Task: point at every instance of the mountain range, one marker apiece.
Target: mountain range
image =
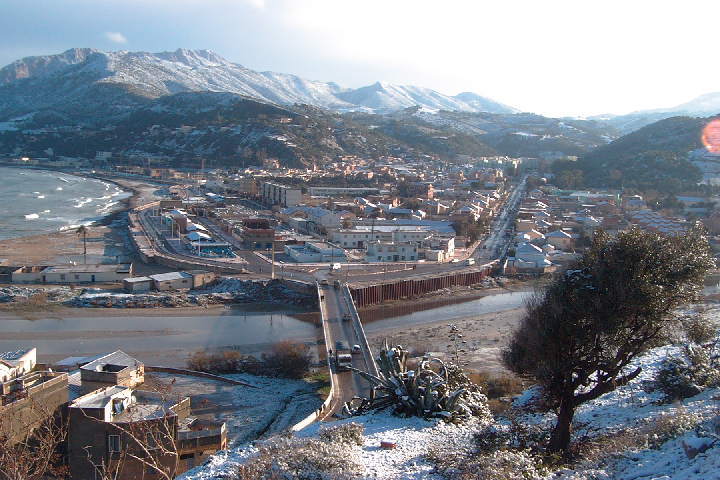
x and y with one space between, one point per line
86 81
703 106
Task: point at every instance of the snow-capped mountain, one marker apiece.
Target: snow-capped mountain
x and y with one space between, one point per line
702 106
57 82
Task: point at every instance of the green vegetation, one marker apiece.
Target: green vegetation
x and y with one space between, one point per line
653 158
580 332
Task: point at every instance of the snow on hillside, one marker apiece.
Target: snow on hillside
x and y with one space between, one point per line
165 73
613 415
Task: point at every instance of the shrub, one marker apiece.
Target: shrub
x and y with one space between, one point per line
493 465
287 359
699 329
349 433
687 375
225 361
301 459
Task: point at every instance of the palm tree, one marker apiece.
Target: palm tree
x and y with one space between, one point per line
83 230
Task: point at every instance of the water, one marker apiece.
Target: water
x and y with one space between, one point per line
166 340
380 319
39 201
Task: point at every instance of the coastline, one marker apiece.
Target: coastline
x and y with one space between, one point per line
106 238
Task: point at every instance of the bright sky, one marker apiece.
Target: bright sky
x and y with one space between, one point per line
554 57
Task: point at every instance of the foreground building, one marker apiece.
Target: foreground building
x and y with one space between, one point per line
130 434
27 397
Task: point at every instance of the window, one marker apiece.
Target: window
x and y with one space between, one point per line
62 277
113 443
151 441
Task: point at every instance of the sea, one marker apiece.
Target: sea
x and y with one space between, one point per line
40 201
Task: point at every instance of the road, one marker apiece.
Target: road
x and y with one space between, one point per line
335 301
335 307
497 243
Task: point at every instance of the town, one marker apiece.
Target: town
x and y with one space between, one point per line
396 229
359 240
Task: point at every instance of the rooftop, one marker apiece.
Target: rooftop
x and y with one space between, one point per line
164 277
94 268
14 355
117 358
137 279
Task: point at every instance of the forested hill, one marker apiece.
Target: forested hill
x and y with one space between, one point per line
652 158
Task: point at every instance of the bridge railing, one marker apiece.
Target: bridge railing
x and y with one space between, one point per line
370 363
327 404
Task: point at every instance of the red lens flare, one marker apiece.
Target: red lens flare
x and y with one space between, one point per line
711 136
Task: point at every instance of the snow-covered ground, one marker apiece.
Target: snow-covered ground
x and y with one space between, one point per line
628 409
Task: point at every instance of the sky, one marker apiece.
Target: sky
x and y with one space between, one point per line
553 57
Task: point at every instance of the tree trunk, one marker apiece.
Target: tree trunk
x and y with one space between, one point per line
560 440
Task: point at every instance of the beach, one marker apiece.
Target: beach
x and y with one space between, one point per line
107 237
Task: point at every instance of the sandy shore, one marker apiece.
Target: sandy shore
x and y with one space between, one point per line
107 238
486 335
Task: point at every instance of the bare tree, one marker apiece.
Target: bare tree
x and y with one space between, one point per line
146 443
580 333
30 450
146 450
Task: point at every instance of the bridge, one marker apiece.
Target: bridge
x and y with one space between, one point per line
338 301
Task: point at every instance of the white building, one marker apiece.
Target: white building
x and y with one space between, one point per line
276 194
342 191
17 363
84 273
360 235
391 251
315 252
530 253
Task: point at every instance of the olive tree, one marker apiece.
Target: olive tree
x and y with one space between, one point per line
579 334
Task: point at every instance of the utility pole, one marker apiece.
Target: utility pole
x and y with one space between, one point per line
272 269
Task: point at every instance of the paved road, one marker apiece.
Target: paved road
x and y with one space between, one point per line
335 307
497 243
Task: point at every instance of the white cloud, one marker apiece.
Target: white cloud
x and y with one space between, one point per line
116 37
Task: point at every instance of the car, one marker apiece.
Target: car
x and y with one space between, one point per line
346 317
455 260
324 282
356 349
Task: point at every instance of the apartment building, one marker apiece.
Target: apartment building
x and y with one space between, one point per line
377 251
277 194
132 434
28 397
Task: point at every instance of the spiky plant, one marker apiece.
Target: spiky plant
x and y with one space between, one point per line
433 389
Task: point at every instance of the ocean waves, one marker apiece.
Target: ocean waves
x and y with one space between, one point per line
42 202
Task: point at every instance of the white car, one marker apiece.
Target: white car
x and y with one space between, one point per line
356 349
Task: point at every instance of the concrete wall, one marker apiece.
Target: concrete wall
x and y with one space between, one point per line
128 377
42 401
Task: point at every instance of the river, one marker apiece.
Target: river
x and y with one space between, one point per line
167 340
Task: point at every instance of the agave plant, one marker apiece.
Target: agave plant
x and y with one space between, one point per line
433 389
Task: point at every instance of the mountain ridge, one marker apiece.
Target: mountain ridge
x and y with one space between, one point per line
152 75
